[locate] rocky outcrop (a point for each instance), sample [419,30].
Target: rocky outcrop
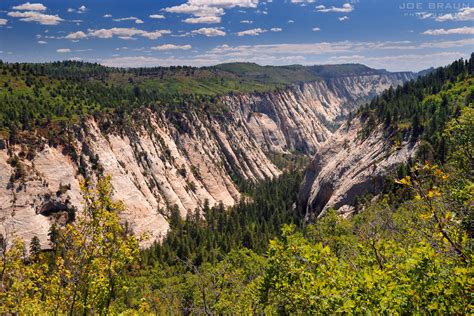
[151,167]
[348,166]
[302,117]
[155,163]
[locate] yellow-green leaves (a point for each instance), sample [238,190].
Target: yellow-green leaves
[84,273]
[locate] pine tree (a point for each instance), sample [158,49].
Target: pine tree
[35,246]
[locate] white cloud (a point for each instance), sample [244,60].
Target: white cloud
[42,42]
[316,29]
[32,16]
[462,30]
[70,10]
[157,16]
[252,32]
[209,11]
[154,35]
[246,22]
[3,21]
[76,35]
[303,1]
[130,18]
[346,8]
[63,50]
[343,18]
[291,21]
[108,15]
[203,19]
[147,61]
[30,7]
[120,32]
[171,47]
[82,9]
[195,10]
[311,50]
[464,14]
[447,44]
[276,29]
[408,62]
[209,31]
[423,15]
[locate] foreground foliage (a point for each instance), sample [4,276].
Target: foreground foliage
[83,273]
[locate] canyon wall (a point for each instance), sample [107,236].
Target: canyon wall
[348,166]
[155,163]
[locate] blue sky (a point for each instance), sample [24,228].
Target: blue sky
[390,34]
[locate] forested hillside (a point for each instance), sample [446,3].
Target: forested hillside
[409,250]
[41,95]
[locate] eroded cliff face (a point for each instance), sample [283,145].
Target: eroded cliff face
[302,117]
[154,163]
[348,166]
[151,167]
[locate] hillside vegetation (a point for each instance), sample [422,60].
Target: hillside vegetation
[408,251]
[38,95]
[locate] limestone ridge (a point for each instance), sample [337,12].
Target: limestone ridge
[156,164]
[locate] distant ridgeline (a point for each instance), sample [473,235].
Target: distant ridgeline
[36,95]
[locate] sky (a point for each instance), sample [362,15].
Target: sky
[390,34]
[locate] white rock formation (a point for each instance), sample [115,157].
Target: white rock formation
[348,166]
[154,163]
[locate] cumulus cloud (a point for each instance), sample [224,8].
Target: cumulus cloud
[291,21]
[156,16]
[82,9]
[120,32]
[461,30]
[246,22]
[203,20]
[209,11]
[424,15]
[42,42]
[195,10]
[346,8]
[171,47]
[33,16]
[130,18]
[127,33]
[3,21]
[276,29]
[464,14]
[316,29]
[252,32]
[76,35]
[63,50]
[209,31]
[343,18]
[303,1]
[30,7]
[108,15]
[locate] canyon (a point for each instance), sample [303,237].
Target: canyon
[155,163]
